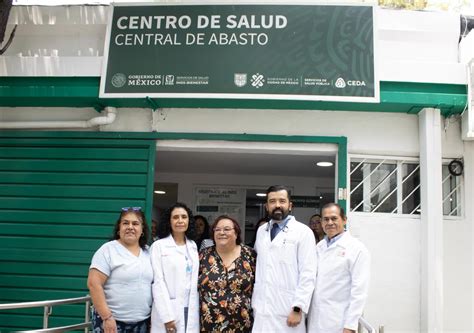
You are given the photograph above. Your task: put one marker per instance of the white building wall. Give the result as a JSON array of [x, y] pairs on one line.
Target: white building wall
[[452, 145], [458, 277], [459, 256], [127, 120], [394, 244], [399, 132]]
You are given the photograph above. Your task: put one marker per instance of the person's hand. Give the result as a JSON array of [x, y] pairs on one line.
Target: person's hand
[[110, 326], [170, 327], [294, 319], [347, 330]]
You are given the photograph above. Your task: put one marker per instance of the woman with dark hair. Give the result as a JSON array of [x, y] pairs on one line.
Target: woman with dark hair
[[226, 278], [120, 277], [175, 265], [202, 229]]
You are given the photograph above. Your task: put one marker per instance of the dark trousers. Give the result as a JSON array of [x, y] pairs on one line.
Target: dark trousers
[[122, 327]]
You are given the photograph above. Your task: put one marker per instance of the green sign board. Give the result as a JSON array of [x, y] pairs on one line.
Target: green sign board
[[251, 51]]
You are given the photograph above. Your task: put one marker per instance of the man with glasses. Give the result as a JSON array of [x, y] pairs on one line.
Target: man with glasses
[[342, 280], [286, 268]]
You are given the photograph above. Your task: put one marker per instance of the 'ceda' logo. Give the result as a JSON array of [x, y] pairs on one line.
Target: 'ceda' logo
[[340, 83], [356, 83]]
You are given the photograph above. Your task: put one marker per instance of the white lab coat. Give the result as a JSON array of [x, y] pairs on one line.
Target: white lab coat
[[285, 276], [342, 284], [169, 269]]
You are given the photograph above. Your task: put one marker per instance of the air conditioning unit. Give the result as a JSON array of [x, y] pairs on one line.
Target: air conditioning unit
[[468, 114]]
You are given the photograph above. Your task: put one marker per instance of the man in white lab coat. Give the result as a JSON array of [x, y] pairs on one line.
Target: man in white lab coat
[[342, 280], [286, 268]]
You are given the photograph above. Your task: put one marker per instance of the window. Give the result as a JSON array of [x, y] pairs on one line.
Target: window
[[385, 186], [393, 186], [451, 192]]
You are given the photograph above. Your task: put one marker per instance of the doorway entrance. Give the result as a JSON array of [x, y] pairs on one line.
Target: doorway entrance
[[230, 176]]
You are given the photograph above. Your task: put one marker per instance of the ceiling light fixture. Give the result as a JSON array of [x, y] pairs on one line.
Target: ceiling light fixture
[[261, 194], [159, 192], [324, 164]]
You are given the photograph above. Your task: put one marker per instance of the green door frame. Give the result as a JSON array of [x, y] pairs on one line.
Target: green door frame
[[341, 142]]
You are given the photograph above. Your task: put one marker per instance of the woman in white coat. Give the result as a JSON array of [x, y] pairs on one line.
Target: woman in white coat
[[175, 263]]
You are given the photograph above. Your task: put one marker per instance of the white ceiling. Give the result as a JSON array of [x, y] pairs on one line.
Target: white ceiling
[[242, 163]]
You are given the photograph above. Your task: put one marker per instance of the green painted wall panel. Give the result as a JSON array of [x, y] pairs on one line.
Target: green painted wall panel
[[66, 310], [50, 256], [40, 294], [72, 165], [73, 191], [68, 139], [76, 204], [38, 242], [82, 218], [30, 321], [83, 153], [79, 231], [10, 177], [59, 199], [44, 282], [32, 267]]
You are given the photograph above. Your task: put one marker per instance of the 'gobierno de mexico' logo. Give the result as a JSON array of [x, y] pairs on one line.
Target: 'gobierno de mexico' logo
[[118, 80]]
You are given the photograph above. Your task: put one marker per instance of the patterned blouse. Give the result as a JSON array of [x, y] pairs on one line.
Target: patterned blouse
[[225, 295]]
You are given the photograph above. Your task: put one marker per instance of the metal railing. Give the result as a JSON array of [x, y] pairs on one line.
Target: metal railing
[[365, 325], [48, 310]]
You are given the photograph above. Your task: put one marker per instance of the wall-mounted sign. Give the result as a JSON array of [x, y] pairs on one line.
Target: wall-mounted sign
[[305, 201], [212, 202], [300, 52]]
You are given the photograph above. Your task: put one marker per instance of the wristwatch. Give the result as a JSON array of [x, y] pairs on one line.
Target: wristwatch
[[296, 309]]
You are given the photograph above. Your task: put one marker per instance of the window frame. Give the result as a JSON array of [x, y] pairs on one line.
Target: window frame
[[398, 161]]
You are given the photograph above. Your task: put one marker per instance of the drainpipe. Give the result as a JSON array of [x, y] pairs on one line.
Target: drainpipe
[[467, 24], [109, 118]]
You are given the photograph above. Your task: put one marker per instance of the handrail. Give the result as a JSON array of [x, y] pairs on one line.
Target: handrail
[[364, 324], [48, 310], [84, 326], [37, 304], [48, 305]]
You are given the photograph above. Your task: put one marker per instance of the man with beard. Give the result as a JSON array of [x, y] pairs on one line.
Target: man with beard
[[286, 268]]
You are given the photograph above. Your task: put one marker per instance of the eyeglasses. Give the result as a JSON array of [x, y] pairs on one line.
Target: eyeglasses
[[225, 230], [135, 209]]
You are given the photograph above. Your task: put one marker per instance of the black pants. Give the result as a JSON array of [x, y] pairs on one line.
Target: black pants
[[122, 327]]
